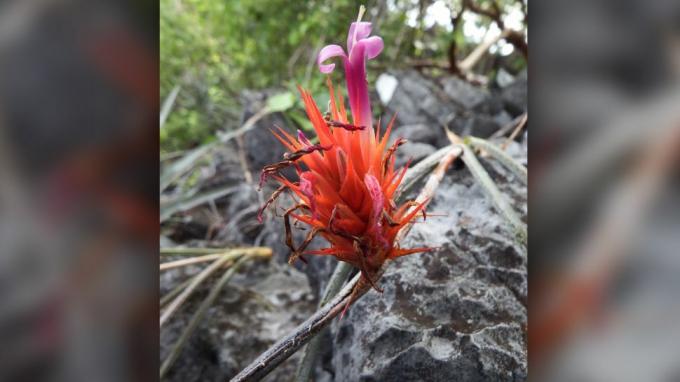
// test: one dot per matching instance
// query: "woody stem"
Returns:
(302, 334)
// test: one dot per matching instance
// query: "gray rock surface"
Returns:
(423, 133)
(427, 105)
(463, 93)
(418, 100)
(413, 151)
(515, 96)
(457, 313)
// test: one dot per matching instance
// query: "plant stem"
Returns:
(302, 334)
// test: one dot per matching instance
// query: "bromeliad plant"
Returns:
(345, 191)
(347, 182)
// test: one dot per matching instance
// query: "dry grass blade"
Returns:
(175, 291)
(427, 192)
(500, 155)
(192, 260)
(184, 262)
(177, 302)
(352, 291)
(202, 309)
(520, 126)
(183, 165)
(188, 251)
(512, 126)
(195, 282)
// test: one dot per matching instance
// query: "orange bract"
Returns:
(345, 188)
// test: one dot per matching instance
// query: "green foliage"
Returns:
(281, 102)
(214, 49)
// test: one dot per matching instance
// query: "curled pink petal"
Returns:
(374, 45)
(362, 30)
(329, 51)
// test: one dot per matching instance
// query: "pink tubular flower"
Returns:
(360, 48)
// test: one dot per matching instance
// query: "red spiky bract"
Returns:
(347, 189)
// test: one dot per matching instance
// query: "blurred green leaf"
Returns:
(281, 102)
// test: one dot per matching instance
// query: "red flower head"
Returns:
(347, 181)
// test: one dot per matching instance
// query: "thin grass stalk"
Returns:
(174, 292)
(351, 292)
(516, 131)
(187, 251)
(191, 260)
(195, 282)
(512, 126)
(500, 155)
(182, 166)
(198, 315)
(170, 295)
